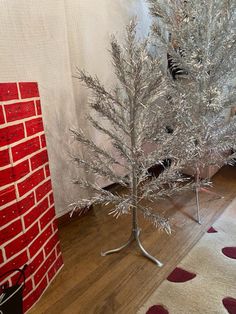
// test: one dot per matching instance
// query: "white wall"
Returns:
(90, 25)
(43, 40)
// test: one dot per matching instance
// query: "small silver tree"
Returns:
(203, 47)
(137, 112)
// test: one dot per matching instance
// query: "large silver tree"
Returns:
(202, 48)
(134, 114)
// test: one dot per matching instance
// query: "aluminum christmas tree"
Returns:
(138, 114)
(200, 37)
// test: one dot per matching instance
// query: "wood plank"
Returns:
(121, 283)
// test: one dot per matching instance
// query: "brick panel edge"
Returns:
(28, 233)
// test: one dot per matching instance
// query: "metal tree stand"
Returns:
(135, 233)
(199, 189)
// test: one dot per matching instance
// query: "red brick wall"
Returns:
(28, 228)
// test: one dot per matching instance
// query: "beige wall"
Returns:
(43, 41)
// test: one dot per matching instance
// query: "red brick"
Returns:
(15, 246)
(8, 91)
(11, 134)
(29, 89)
(25, 204)
(13, 174)
(43, 189)
(43, 140)
(58, 249)
(43, 206)
(19, 111)
(47, 171)
(1, 257)
(34, 214)
(47, 217)
(52, 271)
(4, 157)
(44, 268)
(31, 233)
(21, 170)
(2, 120)
(16, 262)
(59, 262)
(29, 301)
(34, 126)
(7, 195)
(9, 213)
(55, 224)
(39, 159)
(38, 106)
(31, 182)
(10, 231)
(37, 261)
(6, 176)
(15, 276)
(22, 241)
(28, 287)
(51, 258)
(37, 244)
(41, 287)
(51, 244)
(51, 199)
(25, 149)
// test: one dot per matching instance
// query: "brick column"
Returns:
(28, 228)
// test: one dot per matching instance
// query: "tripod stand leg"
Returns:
(134, 237)
(197, 189)
(145, 253)
(119, 248)
(198, 207)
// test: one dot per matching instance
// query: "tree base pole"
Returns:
(134, 237)
(198, 207)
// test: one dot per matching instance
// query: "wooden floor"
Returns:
(120, 283)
